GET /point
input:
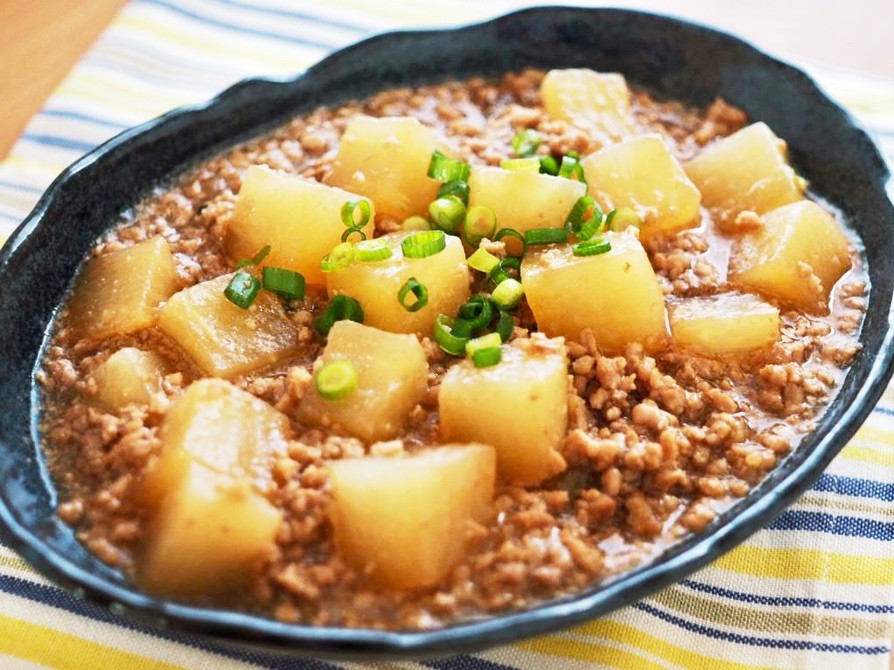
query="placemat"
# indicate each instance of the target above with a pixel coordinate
(815, 589)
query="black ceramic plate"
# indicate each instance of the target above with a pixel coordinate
(670, 58)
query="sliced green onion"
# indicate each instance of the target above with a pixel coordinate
(573, 154)
(584, 210)
(446, 338)
(623, 218)
(505, 325)
(480, 222)
(423, 243)
(412, 285)
(508, 268)
(548, 165)
(443, 168)
(525, 142)
(593, 247)
(370, 251)
(341, 256)
(462, 328)
(257, 259)
(447, 213)
(345, 236)
(484, 342)
(483, 261)
(355, 213)
(415, 223)
(485, 358)
(341, 308)
(336, 380)
(242, 289)
(572, 169)
(508, 293)
(478, 311)
(592, 226)
(457, 188)
(545, 236)
(287, 283)
(512, 232)
(521, 164)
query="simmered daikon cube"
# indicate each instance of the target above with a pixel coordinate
(221, 427)
(119, 293)
(615, 294)
(128, 376)
(519, 406)
(212, 534)
(595, 102)
(745, 171)
(376, 285)
(387, 159)
(225, 340)
(300, 219)
(796, 256)
(392, 373)
(642, 173)
(524, 200)
(402, 520)
(727, 323)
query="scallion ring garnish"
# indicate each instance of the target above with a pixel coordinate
(370, 251)
(345, 236)
(423, 243)
(548, 165)
(287, 283)
(484, 342)
(487, 357)
(341, 256)
(478, 311)
(242, 289)
(525, 142)
(505, 325)
(355, 213)
(415, 223)
(593, 247)
(508, 293)
(483, 261)
(341, 308)
(623, 218)
(507, 268)
(336, 380)
(457, 188)
(447, 213)
(257, 259)
(584, 210)
(572, 169)
(446, 338)
(443, 168)
(418, 290)
(537, 236)
(480, 222)
(521, 164)
(511, 232)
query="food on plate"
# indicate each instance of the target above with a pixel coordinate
(446, 352)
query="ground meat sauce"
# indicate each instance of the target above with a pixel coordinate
(657, 444)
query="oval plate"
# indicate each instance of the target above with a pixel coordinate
(670, 58)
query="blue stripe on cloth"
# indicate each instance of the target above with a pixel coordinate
(58, 141)
(824, 522)
(772, 643)
(80, 116)
(879, 409)
(56, 597)
(283, 37)
(288, 13)
(776, 601)
(858, 488)
(464, 662)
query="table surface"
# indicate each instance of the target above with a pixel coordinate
(42, 39)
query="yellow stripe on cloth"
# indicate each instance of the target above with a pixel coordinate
(808, 564)
(62, 651)
(607, 629)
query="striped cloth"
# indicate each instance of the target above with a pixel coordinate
(813, 590)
